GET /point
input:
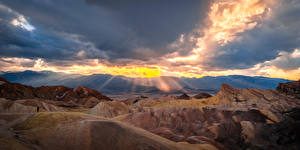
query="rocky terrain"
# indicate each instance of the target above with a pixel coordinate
(233, 119)
(183, 96)
(28, 106)
(110, 109)
(62, 131)
(202, 95)
(290, 88)
(57, 95)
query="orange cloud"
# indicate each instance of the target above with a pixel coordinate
(129, 71)
(226, 19)
(93, 66)
(136, 71)
(274, 72)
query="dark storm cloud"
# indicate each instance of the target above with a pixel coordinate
(17, 41)
(265, 42)
(157, 22)
(134, 29)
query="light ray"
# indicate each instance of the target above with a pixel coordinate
(107, 82)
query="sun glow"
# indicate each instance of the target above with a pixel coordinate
(128, 71)
(95, 67)
(22, 23)
(92, 67)
(274, 72)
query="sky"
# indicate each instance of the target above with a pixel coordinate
(142, 38)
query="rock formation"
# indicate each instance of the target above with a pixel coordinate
(62, 131)
(183, 96)
(80, 96)
(2, 80)
(27, 106)
(131, 101)
(110, 109)
(62, 93)
(8, 106)
(290, 88)
(15, 91)
(233, 119)
(202, 95)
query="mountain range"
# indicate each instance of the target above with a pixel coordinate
(109, 84)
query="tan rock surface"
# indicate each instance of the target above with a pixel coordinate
(80, 131)
(109, 109)
(8, 106)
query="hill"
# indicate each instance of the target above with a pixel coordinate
(60, 95)
(61, 131)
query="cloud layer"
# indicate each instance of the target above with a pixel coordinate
(174, 37)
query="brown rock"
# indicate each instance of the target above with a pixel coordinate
(81, 96)
(236, 118)
(202, 95)
(27, 106)
(8, 106)
(62, 131)
(16, 91)
(3, 80)
(290, 88)
(204, 140)
(167, 133)
(109, 109)
(183, 96)
(62, 93)
(131, 101)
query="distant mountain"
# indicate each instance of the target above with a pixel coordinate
(109, 84)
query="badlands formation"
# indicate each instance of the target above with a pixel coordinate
(58, 117)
